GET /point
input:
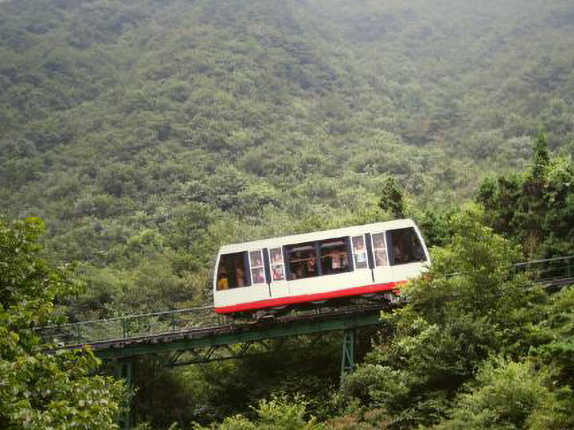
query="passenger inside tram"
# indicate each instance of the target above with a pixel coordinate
(406, 247)
(360, 252)
(256, 260)
(276, 257)
(310, 267)
(231, 271)
(302, 261)
(222, 281)
(334, 257)
(277, 267)
(380, 257)
(240, 276)
(258, 275)
(278, 273)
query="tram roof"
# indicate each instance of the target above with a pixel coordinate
(317, 235)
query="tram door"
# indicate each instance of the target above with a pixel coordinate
(259, 289)
(275, 261)
(382, 271)
(362, 261)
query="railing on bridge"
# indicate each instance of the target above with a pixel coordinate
(131, 326)
(551, 272)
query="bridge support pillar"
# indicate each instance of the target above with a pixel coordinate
(125, 369)
(348, 359)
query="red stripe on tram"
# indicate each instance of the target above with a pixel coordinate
(262, 304)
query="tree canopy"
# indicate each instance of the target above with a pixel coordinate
(148, 133)
(42, 389)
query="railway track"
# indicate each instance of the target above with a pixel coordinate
(242, 328)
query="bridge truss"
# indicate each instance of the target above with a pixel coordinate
(198, 335)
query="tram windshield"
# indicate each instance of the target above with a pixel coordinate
(232, 272)
(405, 246)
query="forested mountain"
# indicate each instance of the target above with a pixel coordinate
(147, 133)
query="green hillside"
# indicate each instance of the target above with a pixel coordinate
(147, 133)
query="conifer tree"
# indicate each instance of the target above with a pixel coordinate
(392, 198)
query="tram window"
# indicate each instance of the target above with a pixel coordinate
(257, 269)
(380, 249)
(359, 252)
(231, 272)
(334, 256)
(302, 261)
(405, 247)
(277, 265)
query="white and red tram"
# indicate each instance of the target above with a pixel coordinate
(319, 266)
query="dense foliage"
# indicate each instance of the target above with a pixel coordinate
(38, 389)
(535, 208)
(147, 133)
(477, 346)
(275, 414)
(451, 325)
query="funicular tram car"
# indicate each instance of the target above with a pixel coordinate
(316, 267)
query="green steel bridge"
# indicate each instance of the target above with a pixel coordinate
(198, 335)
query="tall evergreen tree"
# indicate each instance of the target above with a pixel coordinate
(541, 157)
(392, 198)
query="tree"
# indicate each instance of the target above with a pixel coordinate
(392, 198)
(43, 389)
(511, 395)
(535, 208)
(279, 413)
(541, 157)
(469, 307)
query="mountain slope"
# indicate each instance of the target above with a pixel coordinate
(147, 133)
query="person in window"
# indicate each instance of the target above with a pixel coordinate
(378, 241)
(336, 261)
(258, 277)
(360, 252)
(297, 266)
(398, 255)
(344, 260)
(380, 257)
(256, 259)
(327, 264)
(310, 267)
(240, 275)
(278, 273)
(222, 282)
(276, 257)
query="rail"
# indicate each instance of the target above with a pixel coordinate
(557, 270)
(551, 272)
(130, 326)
